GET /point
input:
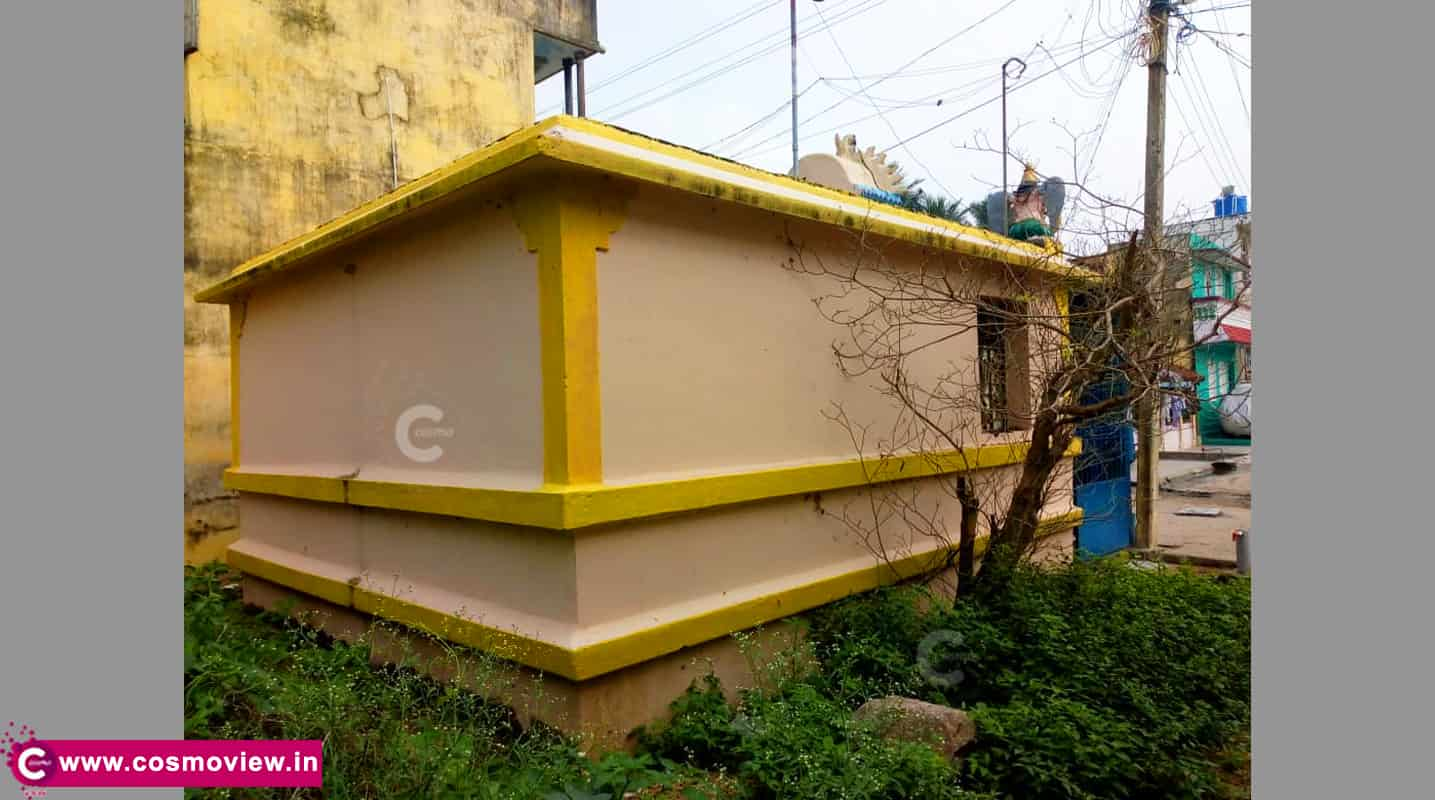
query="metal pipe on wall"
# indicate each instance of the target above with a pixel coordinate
(568, 86)
(582, 90)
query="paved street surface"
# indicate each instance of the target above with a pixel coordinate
(1208, 537)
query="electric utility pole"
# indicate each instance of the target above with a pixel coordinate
(1148, 432)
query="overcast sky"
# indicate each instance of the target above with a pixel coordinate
(726, 92)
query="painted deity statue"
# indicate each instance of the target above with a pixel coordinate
(1033, 211)
(1030, 213)
(1028, 210)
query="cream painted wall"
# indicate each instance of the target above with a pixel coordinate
(442, 312)
(577, 590)
(501, 576)
(713, 357)
(641, 574)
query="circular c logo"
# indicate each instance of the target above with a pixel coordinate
(35, 764)
(942, 679)
(404, 427)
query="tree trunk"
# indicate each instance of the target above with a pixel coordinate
(967, 543)
(1016, 535)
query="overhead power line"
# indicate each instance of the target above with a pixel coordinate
(1217, 125)
(996, 98)
(1200, 150)
(1231, 62)
(953, 94)
(950, 94)
(764, 118)
(613, 114)
(921, 55)
(673, 50)
(887, 122)
(966, 90)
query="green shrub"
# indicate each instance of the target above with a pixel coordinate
(796, 743)
(1094, 680)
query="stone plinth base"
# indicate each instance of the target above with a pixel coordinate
(603, 711)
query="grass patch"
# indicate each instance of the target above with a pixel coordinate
(1090, 681)
(387, 732)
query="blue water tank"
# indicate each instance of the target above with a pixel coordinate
(1230, 204)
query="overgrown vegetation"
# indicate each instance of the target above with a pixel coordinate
(387, 732)
(796, 742)
(1093, 681)
(1090, 681)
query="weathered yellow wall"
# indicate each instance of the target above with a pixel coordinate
(287, 126)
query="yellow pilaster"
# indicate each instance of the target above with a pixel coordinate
(1061, 295)
(566, 224)
(236, 331)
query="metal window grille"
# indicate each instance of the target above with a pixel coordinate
(992, 370)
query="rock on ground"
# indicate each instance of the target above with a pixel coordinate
(945, 730)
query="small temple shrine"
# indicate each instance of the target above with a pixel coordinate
(561, 402)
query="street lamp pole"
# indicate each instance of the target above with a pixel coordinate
(1006, 66)
(793, 6)
(793, 16)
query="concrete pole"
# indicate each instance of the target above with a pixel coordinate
(1148, 431)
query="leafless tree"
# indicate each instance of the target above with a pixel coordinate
(974, 354)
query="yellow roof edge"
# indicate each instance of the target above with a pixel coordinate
(533, 141)
(512, 149)
(989, 244)
(642, 140)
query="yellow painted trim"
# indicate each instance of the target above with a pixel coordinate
(1062, 296)
(644, 645)
(301, 487)
(209, 548)
(572, 507)
(565, 225)
(988, 245)
(522, 649)
(540, 509)
(595, 505)
(236, 331)
(481, 163)
(335, 591)
(593, 660)
(543, 141)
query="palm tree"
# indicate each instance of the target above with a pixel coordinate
(936, 206)
(978, 214)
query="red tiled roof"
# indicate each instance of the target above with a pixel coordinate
(1239, 335)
